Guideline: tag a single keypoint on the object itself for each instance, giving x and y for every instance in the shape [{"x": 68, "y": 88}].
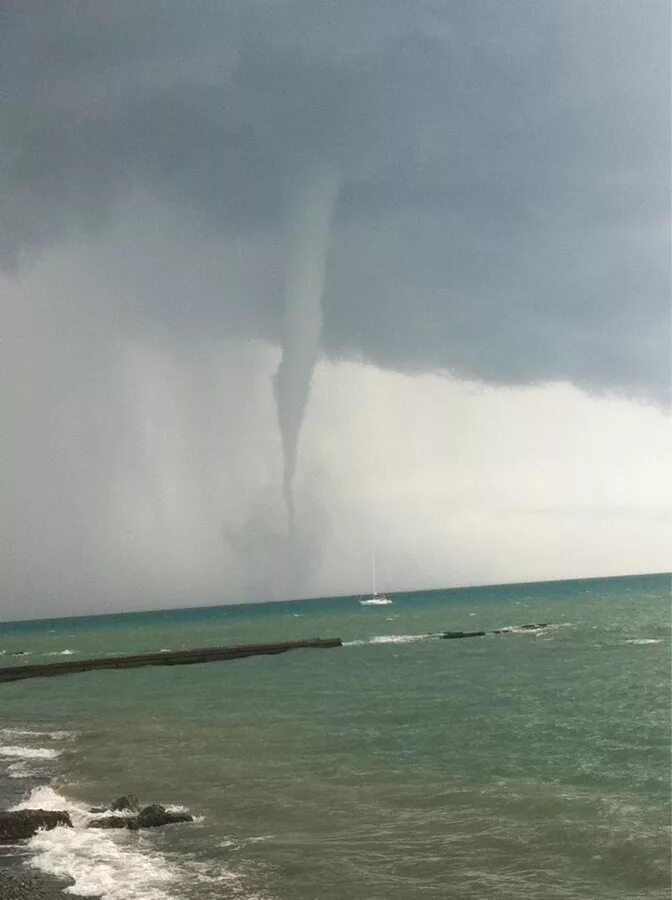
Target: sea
[{"x": 529, "y": 764}]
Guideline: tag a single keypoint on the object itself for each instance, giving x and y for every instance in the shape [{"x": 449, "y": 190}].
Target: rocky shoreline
[{"x": 18, "y": 881}]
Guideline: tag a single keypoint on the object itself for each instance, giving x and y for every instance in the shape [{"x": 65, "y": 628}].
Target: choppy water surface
[{"x": 398, "y": 766}]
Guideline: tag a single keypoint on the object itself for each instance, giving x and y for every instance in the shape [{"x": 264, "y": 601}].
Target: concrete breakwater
[
  {"x": 208, "y": 654},
  {"x": 166, "y": 658}
]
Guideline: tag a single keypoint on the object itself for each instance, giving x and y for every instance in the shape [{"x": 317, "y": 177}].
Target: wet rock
[
  {"x": 152, "y": 816},
  {"x": 451, "y": 635},
  {"x": 24, "y": 823},
  {"x": 448, "y": 635},
  {"x": 20, "y": 885},
  {"x": 156, "y": 815},
  {"x": 129, "y": 822},
  {"x": 127, "y": 802}
]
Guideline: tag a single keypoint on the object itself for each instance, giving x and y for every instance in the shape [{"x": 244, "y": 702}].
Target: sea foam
[
  {"x": 114, "y": 865},
  {"x": 29, "y": 752},
  {"x": 390, "y": 639},
  {"x": 28, "y": 759},
  {"x": 101, "y": 864}
]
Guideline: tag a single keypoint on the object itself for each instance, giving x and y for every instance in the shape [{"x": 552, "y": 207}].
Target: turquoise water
[{"x": 398, "y": 766}]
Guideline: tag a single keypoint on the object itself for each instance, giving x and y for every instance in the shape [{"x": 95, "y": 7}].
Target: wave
[
  {"x": 65, "y": 652},
  {"x": 518, "y": 629},
  {"x": 20, "y": 769},
  {"x": 101, "y": 865},
  {"x": 29, "y": 752},
  {"x": 117, "y": 865},
  {"x": 410, "y": 638},
  {"x": 376, "y": 601},
  {"x": 644, "y": 641},
  {"x": 390, "y": 639},
  {"x": 533, "y": 630},
  {"x": 399, "y": 638},
  {"x": 23, "y": 732},
  {"x": 28, "y": 761}
]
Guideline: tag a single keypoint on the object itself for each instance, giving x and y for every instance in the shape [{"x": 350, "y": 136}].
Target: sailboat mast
[{"x": 373, "y": 575}]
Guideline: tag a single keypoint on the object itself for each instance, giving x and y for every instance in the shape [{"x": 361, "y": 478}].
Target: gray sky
[{"x": 494, "y": 275}]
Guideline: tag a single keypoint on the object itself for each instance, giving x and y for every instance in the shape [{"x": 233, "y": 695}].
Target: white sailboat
[{"x": 375, "y": 599}]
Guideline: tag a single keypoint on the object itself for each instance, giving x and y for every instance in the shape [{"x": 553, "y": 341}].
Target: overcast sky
[{"x": 449, "y": 220}]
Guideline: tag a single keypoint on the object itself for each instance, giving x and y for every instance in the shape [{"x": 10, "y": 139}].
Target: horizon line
[{"x": 425, "y": 590}]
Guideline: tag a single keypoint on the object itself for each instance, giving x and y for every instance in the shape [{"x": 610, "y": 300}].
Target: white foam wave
[
  {"x": 644, "y": 641},
  {"x": 60, "y": 653},
  {"x": 29, "y": 752},
  {"x": 20, "y": 770},
  {"x": 389, "y": 639},
  {"x": 517, "y": 629},
  {"x": 238, "y": 843},
  {"x": 45, "y": 797},
  {"x": 398, "y": 638},
  {"x": 22, "y": 732},
  {"x": 118, "y": 865},
  {"x": 102, "y": 864},
  {"x": 541, "y": 630},
  {"x": 376, "y": 601}
]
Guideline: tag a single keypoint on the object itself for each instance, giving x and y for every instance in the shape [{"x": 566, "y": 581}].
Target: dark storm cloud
[{"x": 503, "y": 167}]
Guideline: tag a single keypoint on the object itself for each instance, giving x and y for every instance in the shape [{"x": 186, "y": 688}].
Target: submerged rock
[
  {"x": 451, "y": 635},
  {"x": 24, "y": 823}
]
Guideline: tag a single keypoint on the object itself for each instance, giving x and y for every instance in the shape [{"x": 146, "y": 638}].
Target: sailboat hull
[{"x": 375, "y": 599}]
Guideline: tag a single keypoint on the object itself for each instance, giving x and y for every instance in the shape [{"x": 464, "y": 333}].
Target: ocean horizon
[
  {"x": 530, "y": 763},
  {"x": 190, "y": 609}
]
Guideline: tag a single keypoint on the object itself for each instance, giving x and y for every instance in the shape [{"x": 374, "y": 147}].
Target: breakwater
[
  {"x": 452, "y": 635},
  {"x": 166, "y": 658},
  {"x": 208, "y": 654}
]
